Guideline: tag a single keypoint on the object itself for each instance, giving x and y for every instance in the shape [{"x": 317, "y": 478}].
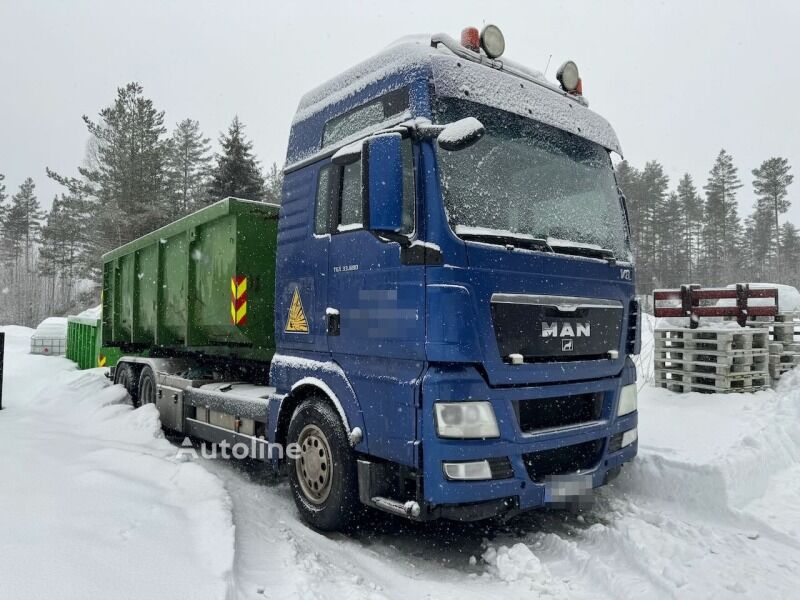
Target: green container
[
  {"x": 84, "y": 344},
  {"x": 205, "y": 283}
]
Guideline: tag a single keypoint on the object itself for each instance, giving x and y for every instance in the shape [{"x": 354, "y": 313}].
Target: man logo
[
  {"x": 566, "y": 329},
  {"x": 566, "y": 345}
]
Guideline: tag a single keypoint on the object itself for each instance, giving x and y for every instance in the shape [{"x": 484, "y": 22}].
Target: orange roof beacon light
[
  {"x": 492, "y": 41},
  {"x": 569, "y": 78},
  {"x": 471, "y": 39}
]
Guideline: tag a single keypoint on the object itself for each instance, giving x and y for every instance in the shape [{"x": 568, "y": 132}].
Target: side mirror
[
  {"x": 382, "y": 182},
  {"x": 461, "y": 134}
]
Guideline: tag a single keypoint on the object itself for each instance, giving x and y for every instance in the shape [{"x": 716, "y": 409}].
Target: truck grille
[
  {"x": 561, "y": 411},
  {"x": 559, "y": 461},
  {"x": 556, "y": 328}
]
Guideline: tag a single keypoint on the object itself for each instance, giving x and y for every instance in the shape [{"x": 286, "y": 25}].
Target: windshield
[{"x": 531, "y": 182}]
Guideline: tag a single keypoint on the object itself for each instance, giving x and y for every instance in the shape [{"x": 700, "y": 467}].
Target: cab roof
[{"x": 415, "y": 62}]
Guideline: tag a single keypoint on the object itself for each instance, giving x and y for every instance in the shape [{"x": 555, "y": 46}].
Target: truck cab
[{"x": 454, "y": 283}]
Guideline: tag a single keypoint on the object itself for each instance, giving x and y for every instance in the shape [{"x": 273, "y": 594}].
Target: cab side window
[
  {"x": 323, "y": 201},
  {"x": 351, "y": 207},
  {"x": 350, "y": 201}
]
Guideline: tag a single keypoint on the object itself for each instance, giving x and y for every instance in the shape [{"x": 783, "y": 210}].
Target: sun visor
[{"x": 458, "y": 78}]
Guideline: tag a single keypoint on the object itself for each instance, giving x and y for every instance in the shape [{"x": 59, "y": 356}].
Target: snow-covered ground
[
  {"x": 93, "y": 501},
  {"x": 94, "y": 504}
]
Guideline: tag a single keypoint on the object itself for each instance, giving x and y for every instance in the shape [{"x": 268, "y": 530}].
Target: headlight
[
  {"x": 627, "y": 400},
  {"x": 466, "y": 420}
]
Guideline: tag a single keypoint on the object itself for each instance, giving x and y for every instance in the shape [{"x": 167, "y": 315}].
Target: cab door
[{"x": 376, "y": 318}]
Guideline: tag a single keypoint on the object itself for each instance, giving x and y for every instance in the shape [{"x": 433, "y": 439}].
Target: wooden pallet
[
  {"x": 713, "y": 340},
  {"x": 714, "y": 382},
  {"x": 685, "y": 388},
  {"x": 753, "y": 364}
]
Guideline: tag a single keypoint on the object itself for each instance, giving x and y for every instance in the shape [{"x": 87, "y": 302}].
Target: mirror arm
[{"x": 427, "y": 132}]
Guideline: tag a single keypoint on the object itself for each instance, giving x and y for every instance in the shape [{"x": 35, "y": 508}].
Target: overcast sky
[{"x": 677, "y": 80}]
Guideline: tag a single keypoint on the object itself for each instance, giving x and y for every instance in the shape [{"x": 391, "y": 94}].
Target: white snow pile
[
  {"x": 91, "y": 314},
  {"x": 512, "y": 564},
  {"x": 95, "y": 503},
  {"x": 51, "y": 327},
  {"x": 788, "y": 297}
]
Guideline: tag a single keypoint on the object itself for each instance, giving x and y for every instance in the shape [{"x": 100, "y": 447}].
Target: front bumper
[{"x": 529, "y": 486}]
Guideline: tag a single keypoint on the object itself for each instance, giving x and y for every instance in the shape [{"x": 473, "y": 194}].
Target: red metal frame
[{"x": 691, "y": 295}]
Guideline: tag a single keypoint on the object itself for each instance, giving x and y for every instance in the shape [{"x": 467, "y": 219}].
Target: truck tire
[
  {"x": 125, "y": 375},
  {"x": 147, "y": 387},
  {"x": 323, "y": 478}
]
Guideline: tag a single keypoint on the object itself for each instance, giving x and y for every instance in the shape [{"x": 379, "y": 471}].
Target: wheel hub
[{"x": 315, "y": 464}]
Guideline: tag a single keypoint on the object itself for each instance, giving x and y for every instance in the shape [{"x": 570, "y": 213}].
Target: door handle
[{"x": 332, "y": 321}]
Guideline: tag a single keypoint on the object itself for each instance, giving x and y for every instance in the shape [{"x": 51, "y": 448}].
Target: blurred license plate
[{"x": 563, "y": 488}]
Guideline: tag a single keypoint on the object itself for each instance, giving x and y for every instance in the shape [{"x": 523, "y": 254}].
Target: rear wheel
[
  {"x": 147, "y": 387},
  {"x": 323, "y": 477},
  {"x": 125, "y": 375}
]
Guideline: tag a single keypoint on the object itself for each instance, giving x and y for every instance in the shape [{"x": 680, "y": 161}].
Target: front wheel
[{"x": 323, "y": 476}]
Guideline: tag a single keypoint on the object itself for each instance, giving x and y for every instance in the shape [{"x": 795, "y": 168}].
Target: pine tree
[
  {"x": 63, "y": 240},
  {"x": 673, "y": 268},
  {"x": 653, "y": 183},
  {"x": 3, "y": 196},
  {"x": 188, "y": 161},
  {"x": 790, "y": 250},
  {"x": 722, "y": 230},
  {"x": 127, "y": 171},
  {"x": 21, "y": 226},
  {"x": 273, "y": 185},
  {"x": 771, "y": 183},
  {"x": 690, "y": 211},
  {"x": 236, "y": 172}
]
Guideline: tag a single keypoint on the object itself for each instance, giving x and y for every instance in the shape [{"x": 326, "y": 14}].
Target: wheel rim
[
  {"x": 314, "y": 467},
  {"x": 147, "y": 392}
]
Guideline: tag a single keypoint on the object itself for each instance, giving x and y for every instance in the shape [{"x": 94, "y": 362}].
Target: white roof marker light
[
  {"x": 492, "y": 41},
  {"x": 569, "y": 78}
]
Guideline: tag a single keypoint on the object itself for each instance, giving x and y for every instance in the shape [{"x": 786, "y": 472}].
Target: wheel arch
[{"x": 301, "y": 390}]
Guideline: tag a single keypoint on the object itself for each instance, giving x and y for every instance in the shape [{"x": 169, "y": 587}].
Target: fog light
[
  {"x": 629, "y": 437},
  {"x": 627, "y": 400},
  {"x": 468, "y": 471}
]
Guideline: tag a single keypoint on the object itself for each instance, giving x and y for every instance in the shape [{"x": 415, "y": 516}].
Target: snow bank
[
  {"x": 52, "y": 327},
  {"x": 95, "y": 503}
]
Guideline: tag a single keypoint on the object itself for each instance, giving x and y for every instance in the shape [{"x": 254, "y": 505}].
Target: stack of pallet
[
  {"x": 784, "y": 352},
  {"x": 711, "y": 359}
]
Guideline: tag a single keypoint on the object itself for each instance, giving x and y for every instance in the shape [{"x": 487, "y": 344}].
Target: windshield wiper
[
  {"x": 506, "y": 239},
  {"x": 579, "y": 249}
]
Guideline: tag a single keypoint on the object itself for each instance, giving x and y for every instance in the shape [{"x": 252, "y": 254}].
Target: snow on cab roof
[{"x": 530, "y": 95}]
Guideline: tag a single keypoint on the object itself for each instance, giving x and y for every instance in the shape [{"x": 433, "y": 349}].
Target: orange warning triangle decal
[{"x": 297, "y": 322}]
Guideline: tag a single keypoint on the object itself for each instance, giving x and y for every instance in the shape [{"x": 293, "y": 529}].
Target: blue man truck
[{"x": 439, "y": 318}]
